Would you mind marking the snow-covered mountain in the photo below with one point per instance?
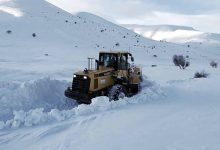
(42, 45)
(176, 34)
(29, 33)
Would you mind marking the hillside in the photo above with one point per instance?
(40, 48)
(49, 31)
(176, 34)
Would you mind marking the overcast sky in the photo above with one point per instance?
(203, 15)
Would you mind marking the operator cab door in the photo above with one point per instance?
(123, 62)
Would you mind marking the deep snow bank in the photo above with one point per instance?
(43, 93)
(40, 114)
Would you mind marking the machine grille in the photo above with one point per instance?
(80, 84)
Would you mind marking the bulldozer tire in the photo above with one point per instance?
(117, 92)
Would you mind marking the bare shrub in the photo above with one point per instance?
(9, 31)
(201, 74)
(180, 60)
(213, 64)
(117, 44)
(34, 35)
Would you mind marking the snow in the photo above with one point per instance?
(176, 34)
(46, 93)
(172, 111)
(44, 114)
(12, 11)
(169, 123)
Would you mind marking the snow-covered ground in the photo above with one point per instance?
(173, 110)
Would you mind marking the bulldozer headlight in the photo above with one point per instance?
(85, 77)
(74, 76)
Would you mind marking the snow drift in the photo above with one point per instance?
(43, 102)
(43, 93)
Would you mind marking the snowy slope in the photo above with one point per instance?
(173, 110)
(58, 34)
(176, 34)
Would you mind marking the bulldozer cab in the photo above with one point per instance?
(116, 60)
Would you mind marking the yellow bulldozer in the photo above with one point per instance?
(113, 75)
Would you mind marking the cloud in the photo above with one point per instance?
(72, 6)
(187, 6)
(196, 13)
(207, 22)
(175, 6)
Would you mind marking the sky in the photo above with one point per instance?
(202, 15)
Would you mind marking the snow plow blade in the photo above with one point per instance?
(79, 97)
